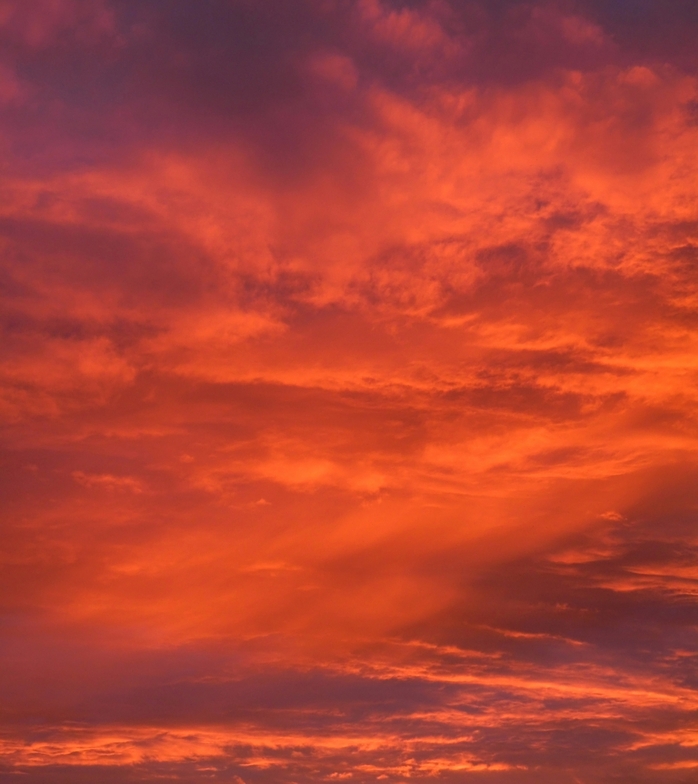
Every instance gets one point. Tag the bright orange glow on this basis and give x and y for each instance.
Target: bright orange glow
(349, 391)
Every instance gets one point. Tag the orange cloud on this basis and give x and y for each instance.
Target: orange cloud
(348, 392)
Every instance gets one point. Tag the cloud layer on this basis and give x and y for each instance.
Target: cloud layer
(348, 391)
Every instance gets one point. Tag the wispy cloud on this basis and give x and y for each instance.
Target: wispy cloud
(348, 390)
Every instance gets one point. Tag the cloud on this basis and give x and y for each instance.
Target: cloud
(48, 21)
(347, 387)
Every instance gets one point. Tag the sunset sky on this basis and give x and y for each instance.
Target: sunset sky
(349, 390)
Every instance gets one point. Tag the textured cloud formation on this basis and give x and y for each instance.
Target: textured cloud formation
(348, 391)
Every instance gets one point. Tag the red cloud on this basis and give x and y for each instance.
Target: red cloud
(347, 387)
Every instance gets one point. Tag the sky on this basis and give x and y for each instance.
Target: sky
(348, 387)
